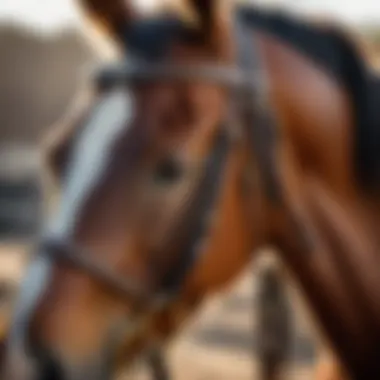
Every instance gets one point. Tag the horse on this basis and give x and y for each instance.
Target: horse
(219, 134)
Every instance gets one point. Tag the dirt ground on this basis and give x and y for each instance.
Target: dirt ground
(218, 343)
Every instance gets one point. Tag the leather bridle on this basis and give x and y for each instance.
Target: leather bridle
(247, 86)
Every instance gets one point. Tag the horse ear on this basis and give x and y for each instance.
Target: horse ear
(213, 19)
(206, 11)
(111, 15)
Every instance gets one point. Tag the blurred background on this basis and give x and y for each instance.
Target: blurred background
(43, 55)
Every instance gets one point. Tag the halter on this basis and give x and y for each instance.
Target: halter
(247, 87)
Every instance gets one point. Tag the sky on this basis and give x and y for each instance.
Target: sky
(52, 14)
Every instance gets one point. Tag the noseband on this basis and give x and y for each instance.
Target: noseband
(246, 86)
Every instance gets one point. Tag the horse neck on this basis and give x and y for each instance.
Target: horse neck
(316, 226)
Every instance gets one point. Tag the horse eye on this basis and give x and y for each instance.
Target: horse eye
(168, 171)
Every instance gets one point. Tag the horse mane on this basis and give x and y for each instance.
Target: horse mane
(364, 90)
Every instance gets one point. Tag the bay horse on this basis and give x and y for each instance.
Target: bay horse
(217, 135)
